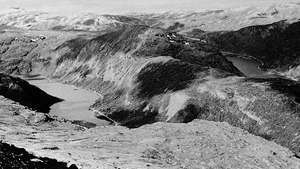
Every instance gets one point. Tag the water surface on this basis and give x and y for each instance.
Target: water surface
(248, 67)
(76, 101)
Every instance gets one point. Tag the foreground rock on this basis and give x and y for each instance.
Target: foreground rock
(199, 144)
(17, 158)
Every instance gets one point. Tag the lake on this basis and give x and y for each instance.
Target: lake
(76, 101)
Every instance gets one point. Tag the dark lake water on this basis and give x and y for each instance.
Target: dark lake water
(248, 67)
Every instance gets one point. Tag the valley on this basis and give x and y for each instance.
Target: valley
(186, 91)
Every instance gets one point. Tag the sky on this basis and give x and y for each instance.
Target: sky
(128, 6)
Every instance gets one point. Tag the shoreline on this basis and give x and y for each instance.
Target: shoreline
(76, 101)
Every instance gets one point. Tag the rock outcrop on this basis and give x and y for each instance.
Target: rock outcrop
(16, 158)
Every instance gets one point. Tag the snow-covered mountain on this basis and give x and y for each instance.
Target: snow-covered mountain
(212, 20)
(46, 21)
(228, 19)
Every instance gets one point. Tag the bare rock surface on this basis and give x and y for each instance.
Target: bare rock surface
(17, 158)
(199, 144)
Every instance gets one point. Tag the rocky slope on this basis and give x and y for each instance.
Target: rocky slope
(16, 158)
(197, 144)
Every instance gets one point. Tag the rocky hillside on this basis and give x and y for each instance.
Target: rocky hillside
(161, 145)
(16, 158)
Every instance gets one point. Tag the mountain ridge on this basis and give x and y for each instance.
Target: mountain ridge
(211, 20)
